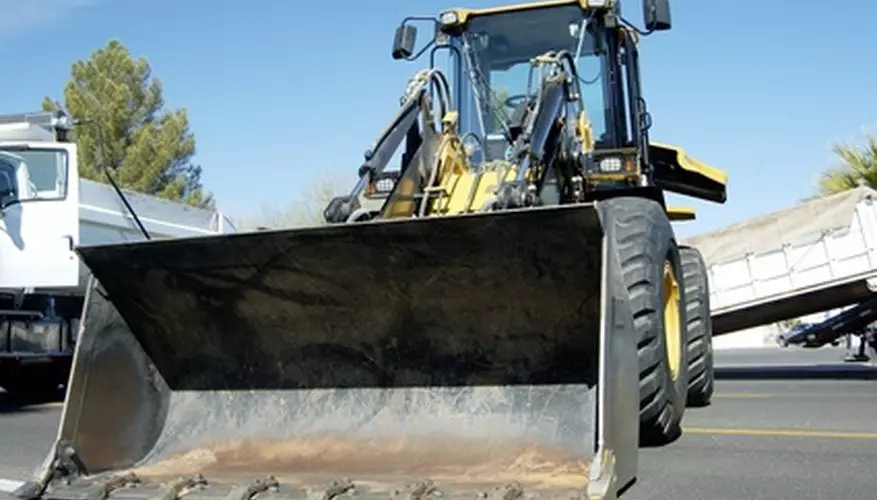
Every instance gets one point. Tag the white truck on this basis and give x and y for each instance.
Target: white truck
(45, 211)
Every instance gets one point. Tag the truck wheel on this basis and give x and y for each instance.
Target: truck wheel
(31, 386)
(701, 372)
(652, 272)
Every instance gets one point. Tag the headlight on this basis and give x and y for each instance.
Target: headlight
(611, 165)
(599, 3)
(449, 18)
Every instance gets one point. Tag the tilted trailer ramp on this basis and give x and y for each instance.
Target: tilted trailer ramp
(839, 292)
(489, 353)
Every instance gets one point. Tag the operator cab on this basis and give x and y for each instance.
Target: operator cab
(495, 52)
(490, 53)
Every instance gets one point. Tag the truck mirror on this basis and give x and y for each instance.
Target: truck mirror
(403, 41)
(656, 14)
(7, 190)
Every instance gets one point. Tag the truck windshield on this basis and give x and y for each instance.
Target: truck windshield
(41, 173)
(500, 47)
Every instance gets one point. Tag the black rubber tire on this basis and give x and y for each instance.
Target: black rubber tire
(35, 391)
(645, 241)
(32, 385)
(701, 369)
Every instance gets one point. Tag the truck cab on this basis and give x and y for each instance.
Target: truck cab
(39, 229)
(39, 220)
(46, 211)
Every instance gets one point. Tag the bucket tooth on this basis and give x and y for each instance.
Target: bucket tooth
(338, 488)
(509, 491)
(420, 490)
(178, 488)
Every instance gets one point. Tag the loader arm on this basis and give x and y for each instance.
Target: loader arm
(437, 177)
(419, 139)
(547, 129)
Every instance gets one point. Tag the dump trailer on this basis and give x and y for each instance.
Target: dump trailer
(46, 209)
(506, 313)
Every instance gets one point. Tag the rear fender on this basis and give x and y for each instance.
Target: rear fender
(681, 213)
(676, 171)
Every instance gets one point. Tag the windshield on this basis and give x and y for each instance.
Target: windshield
(41, 174)
(800, 327)
(501, 46)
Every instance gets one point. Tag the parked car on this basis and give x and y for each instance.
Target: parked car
(809, 335)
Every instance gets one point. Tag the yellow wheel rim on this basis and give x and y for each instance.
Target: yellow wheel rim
(672, 326)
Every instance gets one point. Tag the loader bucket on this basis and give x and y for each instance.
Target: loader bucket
(483, 352)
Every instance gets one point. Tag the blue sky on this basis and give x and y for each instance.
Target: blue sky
(276, 90)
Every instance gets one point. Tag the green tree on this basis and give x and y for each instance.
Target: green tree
(149, 148)
(307, 211)
(498, 110)
(498, 98)
(858, 167)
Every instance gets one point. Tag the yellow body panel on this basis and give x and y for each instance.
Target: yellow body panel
(692, 164)
(453, 186)
(468, 191)
(585, 132)
(676, 170)
(680, 213)
(463, 14)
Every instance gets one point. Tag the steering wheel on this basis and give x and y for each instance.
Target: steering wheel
(514, 100)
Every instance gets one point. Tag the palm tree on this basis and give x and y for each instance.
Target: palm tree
(858, 168)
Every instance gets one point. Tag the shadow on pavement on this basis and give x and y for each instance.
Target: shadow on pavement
(824, 371)
(8, 404)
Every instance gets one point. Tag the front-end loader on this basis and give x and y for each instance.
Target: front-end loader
(506, 313)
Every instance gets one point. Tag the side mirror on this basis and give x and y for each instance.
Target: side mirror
(7, 190)
(403, 41)
(7, 196)
(656, 14)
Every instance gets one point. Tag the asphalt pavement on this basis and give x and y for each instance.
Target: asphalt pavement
(784, 424)
(26, 433)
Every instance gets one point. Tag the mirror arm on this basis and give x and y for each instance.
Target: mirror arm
(420, 53)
